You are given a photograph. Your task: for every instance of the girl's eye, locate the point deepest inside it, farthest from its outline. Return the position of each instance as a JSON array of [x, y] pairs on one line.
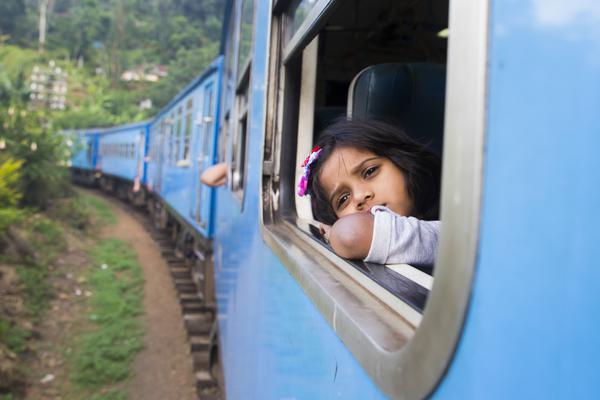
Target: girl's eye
[[370, 171], [342, 200]]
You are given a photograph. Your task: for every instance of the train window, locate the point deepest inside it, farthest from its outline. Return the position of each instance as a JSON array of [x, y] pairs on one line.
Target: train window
[[177, 136], [171, 133], [329, 59], [298, 12], [245, 41], [324, 58], [237, 75], [188, 129], [89, 152]]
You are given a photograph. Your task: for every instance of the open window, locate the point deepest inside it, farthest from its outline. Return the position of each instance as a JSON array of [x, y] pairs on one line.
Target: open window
[[387, 60], [378, 59]]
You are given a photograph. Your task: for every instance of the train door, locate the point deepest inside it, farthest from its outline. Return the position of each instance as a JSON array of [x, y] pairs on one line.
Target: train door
[[205, 144], [161, 153], [139, 158]]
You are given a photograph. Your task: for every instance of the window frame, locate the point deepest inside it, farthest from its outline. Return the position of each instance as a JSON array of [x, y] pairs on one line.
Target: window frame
[[404, 361], [234, 125], [188, 127]]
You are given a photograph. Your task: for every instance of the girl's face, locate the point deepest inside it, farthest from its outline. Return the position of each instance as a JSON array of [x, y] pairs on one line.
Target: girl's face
[[355, 180]]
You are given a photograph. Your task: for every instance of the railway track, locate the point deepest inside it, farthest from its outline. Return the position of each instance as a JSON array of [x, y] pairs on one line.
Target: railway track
[[198, 314]]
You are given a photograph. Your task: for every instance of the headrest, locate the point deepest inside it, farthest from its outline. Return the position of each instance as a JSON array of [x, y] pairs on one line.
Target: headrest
[[410, 95]]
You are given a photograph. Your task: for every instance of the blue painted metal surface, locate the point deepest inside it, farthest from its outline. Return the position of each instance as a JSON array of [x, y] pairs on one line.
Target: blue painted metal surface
[[531, 331], [128, 164], [275, 343], [84, 144], [176, 178]]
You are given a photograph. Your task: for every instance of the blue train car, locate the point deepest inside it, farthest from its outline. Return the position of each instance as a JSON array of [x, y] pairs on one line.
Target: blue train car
[[182, 144], [506, 94], [122, 155]]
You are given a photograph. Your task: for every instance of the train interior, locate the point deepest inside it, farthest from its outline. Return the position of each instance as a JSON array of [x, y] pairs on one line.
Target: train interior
[[386, 60], [367, 34]]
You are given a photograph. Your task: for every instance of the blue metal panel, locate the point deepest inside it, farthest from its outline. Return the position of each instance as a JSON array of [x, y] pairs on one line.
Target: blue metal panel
[[274, 341], [179, 184], [85, 144], [532, 327]]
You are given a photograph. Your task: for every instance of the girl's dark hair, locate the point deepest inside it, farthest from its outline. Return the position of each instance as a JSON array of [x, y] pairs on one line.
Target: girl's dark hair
[[422, 168]]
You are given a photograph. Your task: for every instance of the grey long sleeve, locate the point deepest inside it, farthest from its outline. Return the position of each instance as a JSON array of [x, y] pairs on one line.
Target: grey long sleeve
[[402, 240]]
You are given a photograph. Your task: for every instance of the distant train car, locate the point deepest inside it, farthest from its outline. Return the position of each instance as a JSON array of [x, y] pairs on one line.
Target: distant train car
[[83, 145], [506, 95], [121, 157]]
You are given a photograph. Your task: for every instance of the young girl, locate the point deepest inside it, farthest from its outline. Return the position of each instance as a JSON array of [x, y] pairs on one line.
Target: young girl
[[376, 191]]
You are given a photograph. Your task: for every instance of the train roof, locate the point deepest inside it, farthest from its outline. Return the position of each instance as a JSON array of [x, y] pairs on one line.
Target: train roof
[[190, 87]]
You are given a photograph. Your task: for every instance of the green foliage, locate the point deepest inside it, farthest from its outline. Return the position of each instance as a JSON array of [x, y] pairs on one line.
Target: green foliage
[[26, 136], [12, 336], [187, 64], [102, 357], [37, 291], [10, 216], [9, 179]]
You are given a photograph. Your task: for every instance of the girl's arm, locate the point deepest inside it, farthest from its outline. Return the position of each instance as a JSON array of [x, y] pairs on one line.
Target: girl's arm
[[215, 175], [385, 238], [351, 236]]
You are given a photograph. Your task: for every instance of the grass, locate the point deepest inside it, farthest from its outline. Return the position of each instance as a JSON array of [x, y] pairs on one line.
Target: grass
[[82, 211], [36, 288], [100, 208], [101, 357], [12, 336]]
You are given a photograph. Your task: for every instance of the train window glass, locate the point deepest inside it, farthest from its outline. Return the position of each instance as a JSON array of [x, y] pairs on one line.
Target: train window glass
[[177, 135], [245, 41], [89, 152], [228, 67], [238, 60], [152, 144], [239, 140], [170, 123], [298, 11], [188, 130]]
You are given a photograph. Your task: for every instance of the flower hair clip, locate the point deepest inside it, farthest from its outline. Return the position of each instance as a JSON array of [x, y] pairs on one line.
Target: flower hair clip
[[303, 184]]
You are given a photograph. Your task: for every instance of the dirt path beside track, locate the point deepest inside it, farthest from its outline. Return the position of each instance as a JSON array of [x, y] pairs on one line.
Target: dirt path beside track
[[163, 369]]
